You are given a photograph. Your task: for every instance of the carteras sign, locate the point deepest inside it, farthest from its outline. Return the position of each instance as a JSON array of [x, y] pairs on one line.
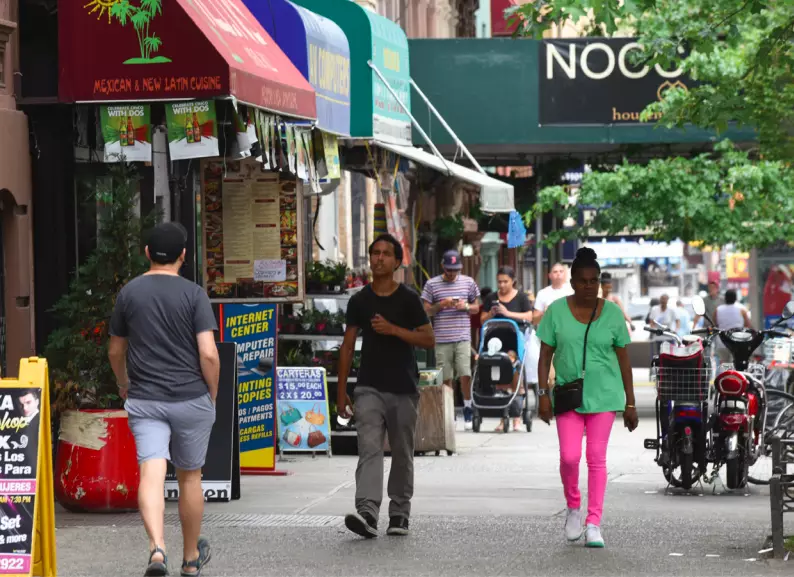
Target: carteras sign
[[596, 81]]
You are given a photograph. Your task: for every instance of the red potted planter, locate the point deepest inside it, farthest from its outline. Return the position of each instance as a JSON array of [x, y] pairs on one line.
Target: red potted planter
[[96, 469]]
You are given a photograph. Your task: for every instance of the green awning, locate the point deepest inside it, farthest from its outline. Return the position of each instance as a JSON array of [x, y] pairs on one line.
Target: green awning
[[374, 112], [488, 91]]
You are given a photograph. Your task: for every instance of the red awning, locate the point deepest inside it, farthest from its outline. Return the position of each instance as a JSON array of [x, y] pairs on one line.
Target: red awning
[[123, 50]]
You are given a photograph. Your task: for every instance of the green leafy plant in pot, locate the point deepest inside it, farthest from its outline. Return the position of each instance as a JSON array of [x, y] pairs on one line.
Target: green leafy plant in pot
[[86, 395]]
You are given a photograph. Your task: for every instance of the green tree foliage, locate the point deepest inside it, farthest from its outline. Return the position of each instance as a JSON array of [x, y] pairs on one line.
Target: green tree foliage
[[741, 53], [716, 199], [77, 352]]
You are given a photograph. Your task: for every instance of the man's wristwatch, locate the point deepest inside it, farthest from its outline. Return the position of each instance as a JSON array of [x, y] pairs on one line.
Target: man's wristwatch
[[468, 307], [543, 392]]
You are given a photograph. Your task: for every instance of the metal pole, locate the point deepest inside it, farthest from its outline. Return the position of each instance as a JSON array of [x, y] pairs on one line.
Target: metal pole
[[538, 254], [408, 112], [447, 126]]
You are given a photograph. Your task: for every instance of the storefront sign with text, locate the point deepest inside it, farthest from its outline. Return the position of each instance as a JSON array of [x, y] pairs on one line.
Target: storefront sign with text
[[598, 81]]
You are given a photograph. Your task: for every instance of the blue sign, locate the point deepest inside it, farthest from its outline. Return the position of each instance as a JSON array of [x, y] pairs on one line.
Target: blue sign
[[252, 327], [303, 413], [319, 49]]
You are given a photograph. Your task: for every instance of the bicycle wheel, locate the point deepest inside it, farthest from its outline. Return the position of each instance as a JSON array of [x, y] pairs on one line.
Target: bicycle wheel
[[780, 419]]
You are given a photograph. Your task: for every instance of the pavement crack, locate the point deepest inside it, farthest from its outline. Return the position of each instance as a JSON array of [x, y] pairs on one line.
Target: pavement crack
[[325, 497]]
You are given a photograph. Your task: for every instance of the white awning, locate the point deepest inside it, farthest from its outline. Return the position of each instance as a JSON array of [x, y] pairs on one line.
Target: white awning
[[495, 195]]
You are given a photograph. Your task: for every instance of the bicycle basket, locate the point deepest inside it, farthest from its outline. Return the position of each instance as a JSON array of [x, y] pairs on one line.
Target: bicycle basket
[[683, 375]]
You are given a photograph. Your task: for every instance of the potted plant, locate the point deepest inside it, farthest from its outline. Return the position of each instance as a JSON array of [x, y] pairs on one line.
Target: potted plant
[[336, 324], [307, 320], [321, 321], [96, 467]]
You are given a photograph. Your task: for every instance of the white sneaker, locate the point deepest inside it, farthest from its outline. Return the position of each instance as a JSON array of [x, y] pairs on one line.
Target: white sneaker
[[573, 525], [593, 537]]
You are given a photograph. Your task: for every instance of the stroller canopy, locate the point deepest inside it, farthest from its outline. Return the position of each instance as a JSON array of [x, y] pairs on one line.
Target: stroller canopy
[[507, 331]]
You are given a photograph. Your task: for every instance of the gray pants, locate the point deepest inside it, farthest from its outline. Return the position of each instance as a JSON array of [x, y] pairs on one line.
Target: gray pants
[[376, 415]]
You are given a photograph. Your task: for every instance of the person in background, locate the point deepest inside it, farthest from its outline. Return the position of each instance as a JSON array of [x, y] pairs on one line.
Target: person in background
[[663, 316], [606, 294], [730, 315], [393, 323], [608, 388], [684, 320], [559, 288], [163, 354], [450, 299], [712, 301], [510, 303]]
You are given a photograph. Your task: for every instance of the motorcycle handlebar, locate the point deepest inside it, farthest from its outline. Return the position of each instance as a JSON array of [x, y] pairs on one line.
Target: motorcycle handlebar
[[777, 334]]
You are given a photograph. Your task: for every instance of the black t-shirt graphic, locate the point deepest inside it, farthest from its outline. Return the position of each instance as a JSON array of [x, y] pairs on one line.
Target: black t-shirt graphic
[[519, 304], [388, 364]]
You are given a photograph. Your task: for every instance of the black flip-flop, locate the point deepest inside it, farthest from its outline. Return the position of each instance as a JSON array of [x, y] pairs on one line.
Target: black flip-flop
[[156, 568], [205, 554]]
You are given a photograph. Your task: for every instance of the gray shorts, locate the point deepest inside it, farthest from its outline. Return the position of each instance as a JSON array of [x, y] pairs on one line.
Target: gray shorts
[[178, 431]]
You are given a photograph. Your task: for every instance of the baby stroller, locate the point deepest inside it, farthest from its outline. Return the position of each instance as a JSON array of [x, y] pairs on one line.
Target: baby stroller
[[496, 369]]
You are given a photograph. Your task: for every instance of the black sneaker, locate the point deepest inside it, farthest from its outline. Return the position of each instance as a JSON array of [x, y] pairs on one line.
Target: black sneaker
[[362, 524], [397, 526]]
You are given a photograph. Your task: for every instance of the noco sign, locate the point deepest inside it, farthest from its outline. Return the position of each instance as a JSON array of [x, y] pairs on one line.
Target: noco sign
[[595, 81]]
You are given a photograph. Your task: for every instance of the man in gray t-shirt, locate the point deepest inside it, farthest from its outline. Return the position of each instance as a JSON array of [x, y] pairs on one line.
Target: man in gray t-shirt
[[163, 352]]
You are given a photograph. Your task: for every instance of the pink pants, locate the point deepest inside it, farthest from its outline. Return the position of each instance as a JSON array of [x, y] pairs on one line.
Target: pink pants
[[570, 429]]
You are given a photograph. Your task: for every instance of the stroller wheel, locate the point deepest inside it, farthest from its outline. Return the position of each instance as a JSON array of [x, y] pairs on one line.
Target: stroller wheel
[[529, 425], [505, 424], [476, 421]]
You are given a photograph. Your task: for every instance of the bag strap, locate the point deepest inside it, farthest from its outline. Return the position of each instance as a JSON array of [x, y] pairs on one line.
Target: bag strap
[[592, 316]]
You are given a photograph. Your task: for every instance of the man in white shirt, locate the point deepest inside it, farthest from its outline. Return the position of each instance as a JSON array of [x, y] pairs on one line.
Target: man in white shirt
[[559, 288], [663, 316]]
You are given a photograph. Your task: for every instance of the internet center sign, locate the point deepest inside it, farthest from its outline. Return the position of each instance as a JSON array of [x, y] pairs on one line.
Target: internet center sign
[[596, 81]]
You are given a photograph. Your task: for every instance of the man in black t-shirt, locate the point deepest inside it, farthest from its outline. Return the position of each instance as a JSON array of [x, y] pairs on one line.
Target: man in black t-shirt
[[392, 322]]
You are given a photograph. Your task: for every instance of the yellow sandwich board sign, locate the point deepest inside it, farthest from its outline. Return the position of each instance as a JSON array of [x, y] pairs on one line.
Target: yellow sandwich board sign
[[27, 503]]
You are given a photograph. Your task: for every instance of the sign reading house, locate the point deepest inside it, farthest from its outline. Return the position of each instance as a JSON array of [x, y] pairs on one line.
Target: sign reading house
[[596, 81]]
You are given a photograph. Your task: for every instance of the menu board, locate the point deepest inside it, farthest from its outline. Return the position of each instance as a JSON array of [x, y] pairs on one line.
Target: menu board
[[251, 233]]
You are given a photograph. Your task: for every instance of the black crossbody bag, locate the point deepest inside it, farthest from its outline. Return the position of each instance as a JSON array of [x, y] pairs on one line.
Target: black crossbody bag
[[568, 397]]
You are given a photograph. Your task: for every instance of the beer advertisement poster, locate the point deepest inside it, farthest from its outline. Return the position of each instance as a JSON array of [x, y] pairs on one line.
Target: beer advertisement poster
[[19, 457], [192, 129], [252, 327], [303, 413], [126, 130]]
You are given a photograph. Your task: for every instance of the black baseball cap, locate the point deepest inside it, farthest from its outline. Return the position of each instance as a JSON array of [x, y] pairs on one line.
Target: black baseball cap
[[166, 242], [452, 260]]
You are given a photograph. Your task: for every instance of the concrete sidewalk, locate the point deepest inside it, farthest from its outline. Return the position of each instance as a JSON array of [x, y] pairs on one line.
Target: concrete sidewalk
[[493, 509]]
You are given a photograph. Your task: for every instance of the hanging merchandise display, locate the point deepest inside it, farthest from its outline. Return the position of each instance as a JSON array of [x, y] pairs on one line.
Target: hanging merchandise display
[[516, 231], [331, 154], [192, 129], [126, 130]]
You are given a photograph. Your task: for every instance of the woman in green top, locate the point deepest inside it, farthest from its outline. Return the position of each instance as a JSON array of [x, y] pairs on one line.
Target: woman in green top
[[607, 389]]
